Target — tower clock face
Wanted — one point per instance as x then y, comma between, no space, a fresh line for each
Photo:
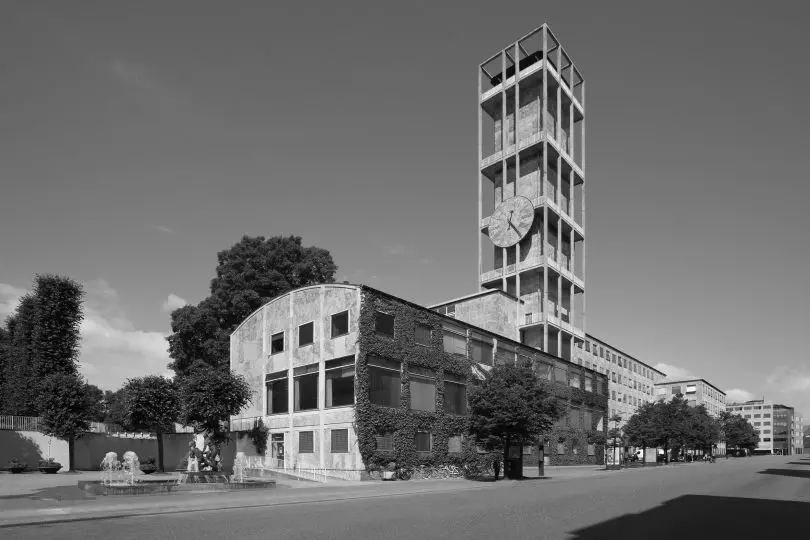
511,221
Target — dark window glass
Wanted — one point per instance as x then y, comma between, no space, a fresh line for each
481,351
385,442
455,398
306,389
423,389
422,441
306,442
421,334
454,444
384,323
384,383
455,343
560,375
277,343
340,324
305,334
676,390
340,441
340,386
277,395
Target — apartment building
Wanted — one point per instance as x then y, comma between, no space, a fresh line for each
695,391
631,382
775,423
798,434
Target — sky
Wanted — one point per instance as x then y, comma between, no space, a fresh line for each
139,139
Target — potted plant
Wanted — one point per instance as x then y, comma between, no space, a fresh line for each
389,473
49,466
148,466
16,466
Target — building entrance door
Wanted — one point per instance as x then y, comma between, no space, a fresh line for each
277,449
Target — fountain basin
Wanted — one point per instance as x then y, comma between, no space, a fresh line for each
168,487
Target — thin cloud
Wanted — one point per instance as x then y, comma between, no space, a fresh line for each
172,302
133,75
738,395
164,229
397,250
9,298
674,371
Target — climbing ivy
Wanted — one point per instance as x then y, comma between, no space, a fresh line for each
402,423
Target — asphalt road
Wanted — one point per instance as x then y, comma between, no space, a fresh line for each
759,497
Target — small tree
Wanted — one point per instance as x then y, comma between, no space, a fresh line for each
151,403
615,435
67,408
209,397
511,403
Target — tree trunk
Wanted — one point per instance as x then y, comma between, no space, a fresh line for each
160,451
71,448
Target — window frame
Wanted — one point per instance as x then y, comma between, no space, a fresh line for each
269,380
425,378
380,364
312,337
310,371
332,323
312,442
332,433
429,329
283,343
416,444
377,330
334,365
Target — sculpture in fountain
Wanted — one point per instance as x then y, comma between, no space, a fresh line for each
110,469
130,467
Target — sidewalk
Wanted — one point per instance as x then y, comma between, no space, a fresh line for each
21,511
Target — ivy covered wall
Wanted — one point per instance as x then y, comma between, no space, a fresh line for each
402,423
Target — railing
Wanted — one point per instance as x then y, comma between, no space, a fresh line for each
565,262
551,308
492,274
314,474
564,203
20,423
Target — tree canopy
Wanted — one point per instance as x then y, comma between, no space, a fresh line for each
151,404
672,424
248,274
41,338
67,408
737,432
511,402
209,397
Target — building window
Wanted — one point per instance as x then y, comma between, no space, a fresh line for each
455,340
544,371
574,381
339,382
454,444
277,387
385,442
340,324
676,390
423,389
481,349
766,423
306,387
573,417
614,394
613,374
423,441
340,441
560,448
766,431
591,449
385,381
384,324
455,394
277,343
691,389
757,416
588,383
560,375
305,334
306,442
421,334
766,415
766,439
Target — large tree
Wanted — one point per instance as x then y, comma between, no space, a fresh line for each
209,397
67,409
249,274
511,404
151,404
737,432
42,337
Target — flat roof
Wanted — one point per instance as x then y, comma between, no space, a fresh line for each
606,344
687,380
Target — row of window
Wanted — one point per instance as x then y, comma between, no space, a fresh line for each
385,387
632,365
306,332
423,442
339,441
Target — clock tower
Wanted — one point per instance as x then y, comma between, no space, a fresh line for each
531,188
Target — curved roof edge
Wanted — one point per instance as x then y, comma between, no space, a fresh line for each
291,291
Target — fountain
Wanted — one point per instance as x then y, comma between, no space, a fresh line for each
239,466
110,469
130,467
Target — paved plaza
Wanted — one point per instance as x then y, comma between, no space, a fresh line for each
743,498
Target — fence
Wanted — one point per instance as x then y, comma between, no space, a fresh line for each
34,423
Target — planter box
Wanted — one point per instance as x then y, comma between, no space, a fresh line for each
49,470
16,470
388,475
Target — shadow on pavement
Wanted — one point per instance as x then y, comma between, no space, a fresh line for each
701,516
787,472
798,462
